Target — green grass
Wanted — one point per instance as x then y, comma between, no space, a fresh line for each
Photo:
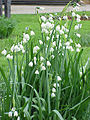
24,21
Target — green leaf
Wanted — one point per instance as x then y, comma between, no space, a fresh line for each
57,113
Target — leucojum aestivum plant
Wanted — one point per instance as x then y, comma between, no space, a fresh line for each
46,81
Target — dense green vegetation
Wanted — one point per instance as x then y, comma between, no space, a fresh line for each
54,88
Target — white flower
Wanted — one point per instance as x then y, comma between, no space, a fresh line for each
77,50
45,31
16,48
78,20
18,118
86,16
66,35
76,27
59,18
35,59
35,49
52,56
9,56
67,43
32,33
13,109
26,36
23,51
76,8
49,25
53,95
4,52
50,15
48,63
31,64
59,78
41,58
55,85
61,32
21,46
65,17
40,42
15,113
57,27
10,114
63,28
43,25
53,90
36,72
73,14
78,16
78,35
51,49
54,43
43,67
71,41
66,30
43,18
78,45
47,38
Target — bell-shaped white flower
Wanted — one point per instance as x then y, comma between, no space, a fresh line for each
48,63
31,64
36,72
59,78
43,18
53,90
43,68
32,33
40,42
16,114
10,114
9,56
4,52
53,95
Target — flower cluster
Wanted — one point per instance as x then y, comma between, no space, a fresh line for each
13,113
55,85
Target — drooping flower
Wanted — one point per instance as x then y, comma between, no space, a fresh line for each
16,114
53,95
40,42
36,72
73,14
59,78
9,56
35,59
53,90
35,49
4,52
43,67
77,50
41,58
43,18
55,85
18,118
48,63
32,33
10,114
58,28
31,64
78,35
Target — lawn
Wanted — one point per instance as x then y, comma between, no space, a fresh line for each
23,21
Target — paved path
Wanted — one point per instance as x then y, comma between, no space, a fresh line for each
30,9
